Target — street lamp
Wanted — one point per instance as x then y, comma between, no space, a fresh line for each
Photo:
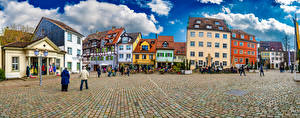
37,53
80,57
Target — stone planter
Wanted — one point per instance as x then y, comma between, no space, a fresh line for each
187,72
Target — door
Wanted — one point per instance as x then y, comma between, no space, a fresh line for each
247,61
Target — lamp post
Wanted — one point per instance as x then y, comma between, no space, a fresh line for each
80,60
40,55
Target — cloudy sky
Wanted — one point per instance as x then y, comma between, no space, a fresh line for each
266,19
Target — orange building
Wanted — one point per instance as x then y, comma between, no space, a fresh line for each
243,48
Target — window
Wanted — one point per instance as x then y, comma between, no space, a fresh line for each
160,54
15,63
253,53
128,47
224,55
69,51
224,63
208,44
200,44
200,62
224,36
144,56
208,26
69,65
192,34
137,56
241,51
248,52
69,37
165,44
196,26
121,56
217,63
198,21
248,44
192,43
192,53
200,54
217,35
235,43
217,55
78,66
251,38
78,40
145,47
233,35
252,45
241,60
57,63
235,59
217,45
128,56
78,52
169,55
151,56
220,28
192,62
201,34
241,43
121,47
224,45
217,23
209,35
235,51
242,36
125,40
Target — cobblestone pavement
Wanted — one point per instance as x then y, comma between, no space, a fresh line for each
155,95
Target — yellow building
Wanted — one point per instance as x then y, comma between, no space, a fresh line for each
18,56
208,42
144,53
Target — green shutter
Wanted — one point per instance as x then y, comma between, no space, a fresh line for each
111,57
170,54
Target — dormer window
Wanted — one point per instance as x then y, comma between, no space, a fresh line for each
217,23
152,42
220,28
125,40
242,36
233,35
251,38
165,44
145,47
196,26
198,21
208,26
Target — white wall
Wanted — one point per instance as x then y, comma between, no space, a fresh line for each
72,58
124,52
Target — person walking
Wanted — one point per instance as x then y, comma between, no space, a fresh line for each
98,71
128,71
84,77
65,76
109,71
261,72
242,70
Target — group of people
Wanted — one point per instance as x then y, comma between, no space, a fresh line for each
210,69
65,79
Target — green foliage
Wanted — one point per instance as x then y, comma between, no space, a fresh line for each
190,65
183,65
2,75
255,65
298,66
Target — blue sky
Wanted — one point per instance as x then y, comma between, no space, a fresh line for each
266,19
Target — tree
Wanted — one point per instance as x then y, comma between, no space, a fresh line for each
196,65
183,65
190,65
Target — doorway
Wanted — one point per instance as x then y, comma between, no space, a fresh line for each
247,61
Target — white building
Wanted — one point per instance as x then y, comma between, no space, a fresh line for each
126,46
276,58
66,38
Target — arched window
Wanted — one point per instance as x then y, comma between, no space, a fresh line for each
165,44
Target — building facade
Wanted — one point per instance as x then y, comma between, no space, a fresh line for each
164,51
272,54
243,48
126,46
144,53
208,42
179,52
18,56
100,49
66,38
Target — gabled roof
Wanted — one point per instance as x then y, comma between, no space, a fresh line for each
134,36
207,21
61,25
179,48
270,46
112,34
152,43
167,39
238,31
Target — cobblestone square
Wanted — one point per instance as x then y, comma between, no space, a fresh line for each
155,95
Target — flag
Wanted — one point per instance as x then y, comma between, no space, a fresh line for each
297,34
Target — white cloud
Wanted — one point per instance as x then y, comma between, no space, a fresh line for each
241,0
85,16
265,29
211,1
182,30
286,2
152,18
161,7
288,9
175,21
225,10
172,22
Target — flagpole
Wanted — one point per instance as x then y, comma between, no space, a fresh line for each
296,48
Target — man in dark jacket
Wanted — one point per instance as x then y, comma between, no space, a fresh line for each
98,71
65,76
242,70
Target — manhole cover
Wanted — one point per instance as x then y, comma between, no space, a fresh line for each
236,92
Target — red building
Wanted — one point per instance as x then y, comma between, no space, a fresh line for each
243,48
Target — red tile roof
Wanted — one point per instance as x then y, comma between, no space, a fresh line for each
179,48
152,43
62,25
207,21
240,32
162,39
113,35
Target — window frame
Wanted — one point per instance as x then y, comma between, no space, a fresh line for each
17,64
